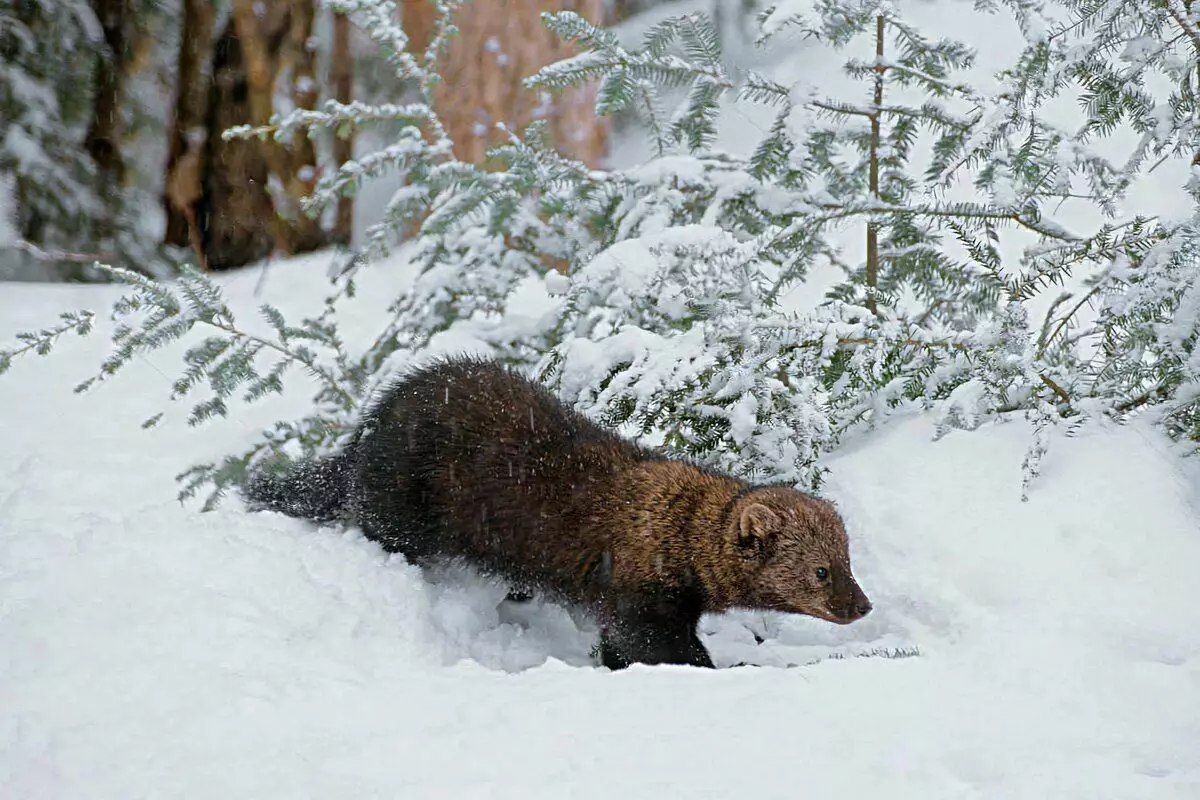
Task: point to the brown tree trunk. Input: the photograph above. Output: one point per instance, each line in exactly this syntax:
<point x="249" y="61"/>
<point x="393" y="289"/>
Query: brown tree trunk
<point x="236" y="216"/>
<point x="183" y="187"/>
<point x="275" y="44"/>
<point x="873" y="170"/>
<point x="252" y="188"/>
<point x="103" y="139"/>
<point x="499" y="44"/>
<point x="341" y="75"/>
<point x="418" y="17"/>
<point x="296" y="64"/>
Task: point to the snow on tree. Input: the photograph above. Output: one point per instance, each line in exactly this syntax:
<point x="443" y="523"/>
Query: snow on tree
<point x="668" y="276"/>
<point x="72" y="104"/>
<point x="45" y="55"/>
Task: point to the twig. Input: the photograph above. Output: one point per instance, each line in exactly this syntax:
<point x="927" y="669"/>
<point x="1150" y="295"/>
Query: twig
<point x="1141" y="399"/>
<point x="873" y="174"/>
<point x="60" y="255"/>
<point x="929" y="311"/>
<point x="313" y="368"/>
<point x="1067" y="318"/>
<point x="899" y="111"/>
<point x="842" y="212"/>
<point x="1054" y="387"/>
<point x="46" y="338"/>
<point x="1179" y="13"/>
<point x="842" y="341"/>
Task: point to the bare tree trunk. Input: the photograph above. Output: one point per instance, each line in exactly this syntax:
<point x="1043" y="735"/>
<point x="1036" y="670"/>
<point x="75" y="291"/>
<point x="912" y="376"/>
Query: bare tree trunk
<point x="499" y="43"/>
<point x="419" y="17"/>
<point x="296" y="64"/>
<point x="103" y="139"/>
<point x="341" y="75"/>
<point x="236" y="217"/>
<point x="185" y="159"/>
<point x="873" y="170"/>
<point x="252" y="188"/>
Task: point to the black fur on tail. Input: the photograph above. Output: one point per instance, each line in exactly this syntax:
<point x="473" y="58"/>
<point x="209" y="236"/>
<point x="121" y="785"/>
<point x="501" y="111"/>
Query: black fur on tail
<point x="316" y="490"/>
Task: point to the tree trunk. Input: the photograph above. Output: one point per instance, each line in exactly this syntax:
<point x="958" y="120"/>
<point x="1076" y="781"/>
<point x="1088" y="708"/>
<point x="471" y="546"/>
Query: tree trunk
<point x="499" y="44"/>
<point x="341" y="75"/>
<point x="183" y="188"/>
<point x="103" y="139"/>
<point x="252" y="188"/>
<point x="873" y="170"/>
<point x="296" y="63"/>
<point x="236" y="216"/>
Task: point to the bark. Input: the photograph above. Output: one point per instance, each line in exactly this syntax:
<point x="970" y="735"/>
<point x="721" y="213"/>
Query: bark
<point x="418" y="17"/>
<point x="252" y="188"/>
<point x="498" y="44"/>
<point x="103" y="138"/>
<point x="873" y="174"/>
<point x="235" y="215"/>
<point x="188" y="132"/>
<point x="341" y="75"/>
<point x="294" y="66"/>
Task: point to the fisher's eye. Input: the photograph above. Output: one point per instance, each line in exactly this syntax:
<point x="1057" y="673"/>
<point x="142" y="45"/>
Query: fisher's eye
<point x="822" y="573"/>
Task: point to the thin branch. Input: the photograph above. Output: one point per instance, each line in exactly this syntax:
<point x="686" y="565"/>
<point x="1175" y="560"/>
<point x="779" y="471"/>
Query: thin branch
<point x="60" y="255"/>
<point x="1067" y="318"/>
<point x="1067" y="29"/>
<point x="1143" y="398"/>
<point x="848" y="110"/>
<point x="1179" y="13"/>
<point x="873" y="176"/>
<point x="899" y="111"/>
<point x="848" y="341"/>
<point x="313" y="368"/>
<point x="858" y="340"/>
<point x="1054" y="387"/>
<point x="843" y="212"/>
<point x="46" y="338"/>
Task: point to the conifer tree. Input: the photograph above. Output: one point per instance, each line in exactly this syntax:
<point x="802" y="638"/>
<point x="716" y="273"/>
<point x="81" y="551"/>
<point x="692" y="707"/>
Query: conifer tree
<point x="668" y="276"/>
<point x="69" y="106"/>
<point x="45" y="56"/>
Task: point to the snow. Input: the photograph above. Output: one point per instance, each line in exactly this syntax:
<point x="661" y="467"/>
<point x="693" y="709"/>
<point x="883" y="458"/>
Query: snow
<point x="1041" y="649"/>
<point x="1046" y="649"/>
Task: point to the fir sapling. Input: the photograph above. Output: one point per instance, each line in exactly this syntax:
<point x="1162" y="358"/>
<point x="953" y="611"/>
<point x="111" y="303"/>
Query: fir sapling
<point x="668" y="277"/>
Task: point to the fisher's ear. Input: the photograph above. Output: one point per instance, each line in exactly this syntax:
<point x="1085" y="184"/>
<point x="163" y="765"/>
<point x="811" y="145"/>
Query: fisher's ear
<point x="758" y="529"/>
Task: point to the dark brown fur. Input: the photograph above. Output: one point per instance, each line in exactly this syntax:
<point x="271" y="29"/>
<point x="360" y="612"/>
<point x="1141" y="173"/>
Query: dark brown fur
<point x="465" y="459"/>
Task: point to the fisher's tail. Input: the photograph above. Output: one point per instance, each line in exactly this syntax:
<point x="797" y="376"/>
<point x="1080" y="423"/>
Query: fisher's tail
<point x="316" y="490"/>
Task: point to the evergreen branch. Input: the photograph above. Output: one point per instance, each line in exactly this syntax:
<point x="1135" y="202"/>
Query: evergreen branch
<point x="857" y="68"/>
<point x="959" y="211"/>
<point x="43" y="341"/>
<point x="846" y="108"/>
<point x="925" y="113"/>
<point x="1067" y="318"/>
<point x="853" y="341"/>
<point x="700" y="40"/>
<point x="443" y="29"/>
<point x="1054" y="387"/>
<point x="301" y="356"/>
<point x="332" y="115"/>
<point x="760" y="89"/>
<point x="1179" y="12"/>
<point x="1157" y="393"/>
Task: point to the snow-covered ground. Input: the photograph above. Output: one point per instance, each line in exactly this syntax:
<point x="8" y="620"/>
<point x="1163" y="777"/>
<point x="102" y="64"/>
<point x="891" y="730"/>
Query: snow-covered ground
<point x="1048" y="649"/>
<point x="1044" y="650"/>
